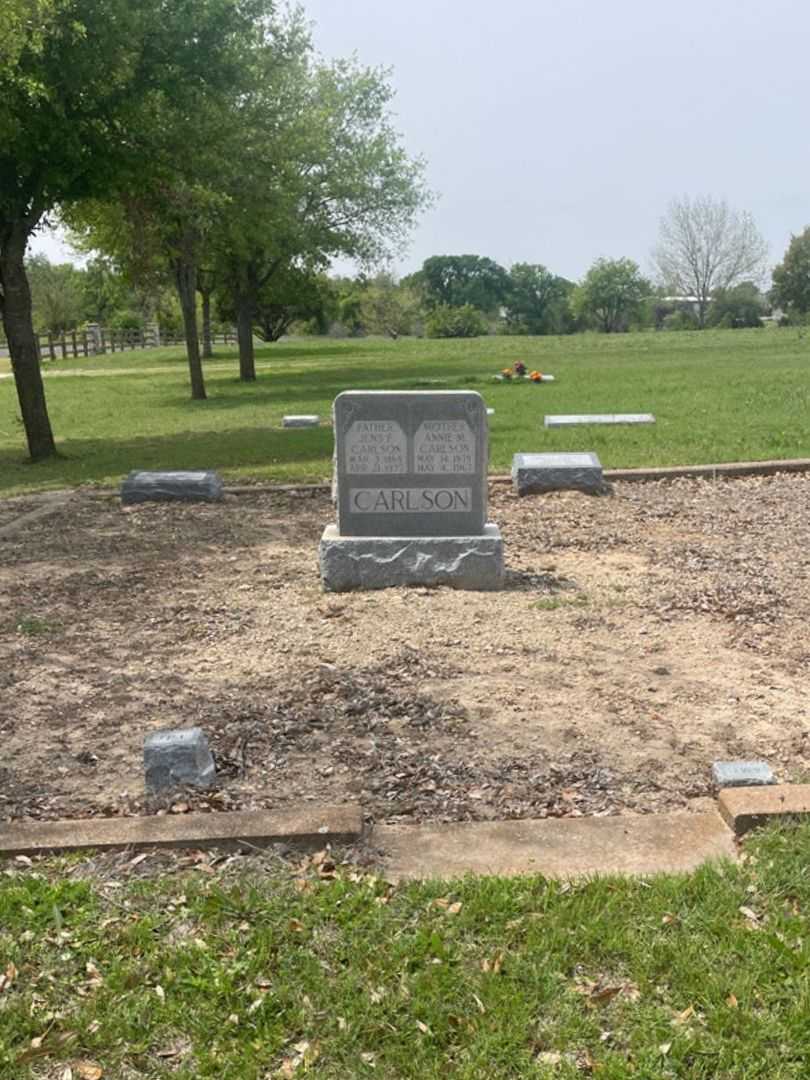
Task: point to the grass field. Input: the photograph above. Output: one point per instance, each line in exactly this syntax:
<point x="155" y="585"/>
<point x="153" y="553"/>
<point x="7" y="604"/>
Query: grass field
<point x="718" y="396"/>
<point x="337" y="975"/>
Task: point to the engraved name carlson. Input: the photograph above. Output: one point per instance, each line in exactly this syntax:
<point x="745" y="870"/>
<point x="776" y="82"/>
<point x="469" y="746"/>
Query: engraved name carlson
<point x="410" y="500"/>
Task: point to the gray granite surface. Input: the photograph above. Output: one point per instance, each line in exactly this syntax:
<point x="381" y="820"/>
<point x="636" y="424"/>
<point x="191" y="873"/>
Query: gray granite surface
<point x="142" y="486"/>
<point x="537" y="473"/>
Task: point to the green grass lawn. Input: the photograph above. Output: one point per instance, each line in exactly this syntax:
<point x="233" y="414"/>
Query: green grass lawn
<point x="272" y="974"/>
<point x="718" y="396"/>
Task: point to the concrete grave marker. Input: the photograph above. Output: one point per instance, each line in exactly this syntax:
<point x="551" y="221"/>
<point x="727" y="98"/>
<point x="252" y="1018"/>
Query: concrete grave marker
<point x="302" y="421"/>
<point x="573" y="419"/>
<point x="141" y="486"/>
<point x="728" y="774"/>
<point x="177" y="757"/>
<point x="411" y="465"/>
<point x="537" y="473"/>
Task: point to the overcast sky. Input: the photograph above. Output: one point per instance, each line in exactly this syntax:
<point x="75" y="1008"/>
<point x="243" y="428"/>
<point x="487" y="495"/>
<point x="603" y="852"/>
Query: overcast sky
<point x="557" y="131"/>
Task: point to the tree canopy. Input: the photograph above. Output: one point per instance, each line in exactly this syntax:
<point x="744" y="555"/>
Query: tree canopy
<point x="456" y="280"/>
<point x="705" y="246"/>
<point x="791" y="278"/>
<point x="611" y="294"/>
<point x="89" y="88"/>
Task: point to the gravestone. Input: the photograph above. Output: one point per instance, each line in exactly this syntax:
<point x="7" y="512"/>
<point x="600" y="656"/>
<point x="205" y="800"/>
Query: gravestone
<point x="178" y="757"/>
<point x="411" y="493"/>
<point x="537" y="473"/>
<point x="301" y="421"/>
<point x="573" y="419"/>
<point x="142" y="486"/>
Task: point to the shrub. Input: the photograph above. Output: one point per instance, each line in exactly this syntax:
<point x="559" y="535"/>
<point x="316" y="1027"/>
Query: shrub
<point x="455" y="322"/>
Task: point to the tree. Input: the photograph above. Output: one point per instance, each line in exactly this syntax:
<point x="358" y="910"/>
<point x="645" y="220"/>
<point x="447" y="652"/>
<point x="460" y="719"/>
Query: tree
<point x="389" y="308"/>
<point x="704" y="246"/>
<point x="537" y="302"/>
<point x="88" y="90"/>
<point x="56" y="294"/>
<point x="295" y="294"/>
<point x="791" y="278"/>
<point x="455" y="280"/>
<point x="455" y="322"/>
<point x="742" y="306"/>
<point x="322" y="173"/>
<point x="611" y="294"/>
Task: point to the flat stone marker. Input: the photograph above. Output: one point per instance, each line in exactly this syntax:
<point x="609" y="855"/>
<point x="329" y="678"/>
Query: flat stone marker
<point x="729" y="774"/>
<point x="573" y="419"/>
<point x="537" y="473"/>
<point x="178" y="757"/>
<point x="142" y="486"/>
<point x="411" y="479"/>
<point x="301" y="421"/>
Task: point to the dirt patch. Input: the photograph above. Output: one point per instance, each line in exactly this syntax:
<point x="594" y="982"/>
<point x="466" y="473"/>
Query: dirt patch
<point x="639" y="638"/>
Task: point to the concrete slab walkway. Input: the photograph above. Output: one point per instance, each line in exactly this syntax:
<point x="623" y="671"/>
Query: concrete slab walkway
<point x="555" y="847"/>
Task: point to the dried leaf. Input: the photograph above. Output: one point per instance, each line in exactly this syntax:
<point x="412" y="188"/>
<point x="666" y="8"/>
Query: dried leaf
<point x="479" y="1003"/>
<point x="161" y="993"/>
<point x="454" y="909"/>
<point x="731" y="1001"/>
<point x="341" y="1023"/>
<point x="683" y="1017"/>
<point x="423" y="1027"/>
<point x="8" y="977"/>
<point x="754" y="920"/>
<point x="605" y="994"/>
<point x="87" y="1070"/>
<point x="664" y="1049"/>
<point x="369" y="1059"/>
<point x="295" y="926"/>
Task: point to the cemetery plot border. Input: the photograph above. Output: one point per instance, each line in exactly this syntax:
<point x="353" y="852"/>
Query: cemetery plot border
<point x="637" y="640"/>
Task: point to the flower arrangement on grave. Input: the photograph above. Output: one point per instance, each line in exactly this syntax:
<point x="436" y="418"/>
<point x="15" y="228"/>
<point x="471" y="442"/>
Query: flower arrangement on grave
<point x="536" y="376"/>
<point x="520" y="368"/>
<point x="506" y="373"/>
<point x="519" y="373"/>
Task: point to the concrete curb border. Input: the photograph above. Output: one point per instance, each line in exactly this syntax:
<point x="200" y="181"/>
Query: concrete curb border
<point x="722" y="470"/>
<point x="555" y="847"/>
<point x="307" y="828"/>
<point x="745" y="808"/>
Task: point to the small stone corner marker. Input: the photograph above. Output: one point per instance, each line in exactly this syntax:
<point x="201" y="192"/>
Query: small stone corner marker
<point x="177" y="757"/>
<point x="734" y="774"/>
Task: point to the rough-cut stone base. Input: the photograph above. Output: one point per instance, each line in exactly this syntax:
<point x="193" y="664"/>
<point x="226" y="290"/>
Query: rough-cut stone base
<point x="140" y="486"/>
<point x="382" y="562"/>
<point x="533" y="474"/>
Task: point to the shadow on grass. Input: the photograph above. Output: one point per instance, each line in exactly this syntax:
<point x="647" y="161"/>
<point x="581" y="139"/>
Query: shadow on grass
<point x="103" y="461"/>
<point x="294" y="389"/>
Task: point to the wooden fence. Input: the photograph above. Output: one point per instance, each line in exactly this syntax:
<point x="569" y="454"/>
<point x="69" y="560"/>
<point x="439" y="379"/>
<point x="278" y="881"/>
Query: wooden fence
<point x="98" y="340"/>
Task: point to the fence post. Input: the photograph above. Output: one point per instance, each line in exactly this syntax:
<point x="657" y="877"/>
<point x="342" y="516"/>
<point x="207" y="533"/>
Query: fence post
<point x="63" y="346"/>
<point x="73" y="342"/>
<point x="96" y="336"/>
<point x="51" y="349"/>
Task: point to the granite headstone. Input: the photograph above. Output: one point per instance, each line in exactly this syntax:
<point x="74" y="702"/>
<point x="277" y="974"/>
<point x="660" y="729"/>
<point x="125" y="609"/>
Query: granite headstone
<point x="411" y="492"/>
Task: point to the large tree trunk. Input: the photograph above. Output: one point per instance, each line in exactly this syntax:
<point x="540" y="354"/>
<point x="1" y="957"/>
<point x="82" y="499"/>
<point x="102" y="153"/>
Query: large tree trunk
<point x="245" y="306"/>
<point x="207" y="343"/>
<point x="22" y="343"/>
<point x="185" y="276"/>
